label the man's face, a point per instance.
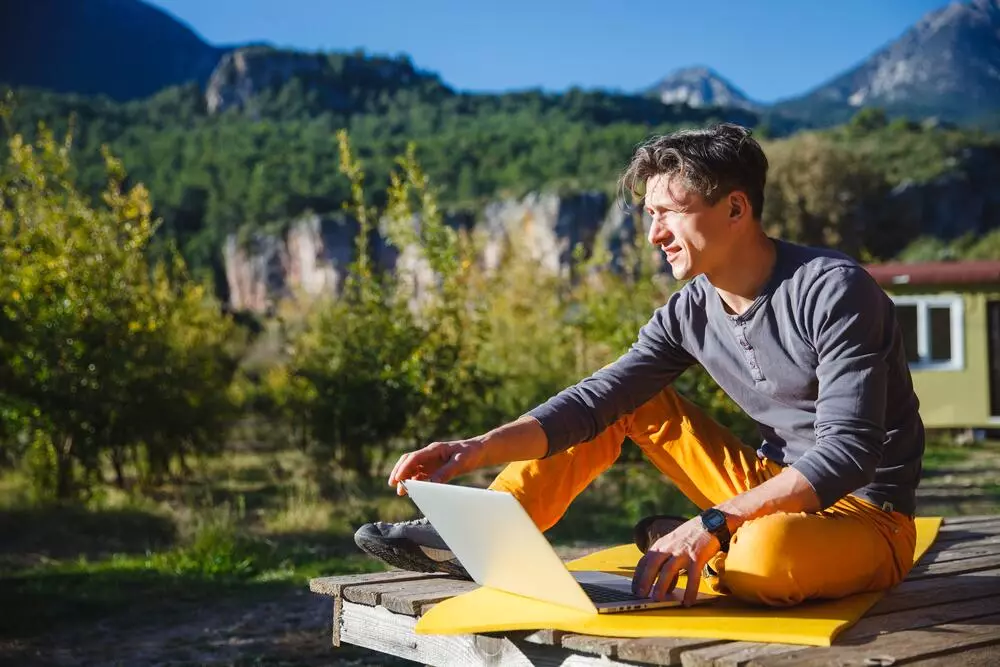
(691, 233)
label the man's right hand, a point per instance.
(438, 462)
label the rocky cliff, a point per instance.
(965, 200)
(310, 258)
(242, 74)
(247, 77)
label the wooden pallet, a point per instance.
(949, 604)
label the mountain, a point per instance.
(256, 78)
(700, 87)
(946, 66)
(124, 49)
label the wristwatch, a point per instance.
(714, 521)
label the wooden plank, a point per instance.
(378, 629)
(338, 608)
(897, 647)
(914, 593)
(733, 654)
(971, 522)
(414, 597)
(922, 571)
(661, 650)
(966, 520)
(334, 585)
(990, 540)
(606, 646)
(946, 555)
(407, 597)
(987, 656)
(549, 637)
(921, 617)
(919, 604)
(951, 533)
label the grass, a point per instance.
(938, 455)
(246, 524)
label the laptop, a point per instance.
(500, 547)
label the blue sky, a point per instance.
(772, 49)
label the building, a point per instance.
(950, 316)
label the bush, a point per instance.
(104, 358)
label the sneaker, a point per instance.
(409, 545)
(652, 528)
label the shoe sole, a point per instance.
(399, 553)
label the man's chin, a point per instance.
(680, 272)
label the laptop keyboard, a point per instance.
(603, 594)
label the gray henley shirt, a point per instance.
(817, 361)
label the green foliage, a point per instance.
(965, 247)
(905, 151)
(820, 193)
(259, 167)
(368, 369)
(103, 357)
(634, 491)
(217, 549)
(868, 120)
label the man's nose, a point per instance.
(657, 232)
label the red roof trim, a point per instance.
(936, 273)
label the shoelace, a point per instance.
(414, 522)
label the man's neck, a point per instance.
(741, 281)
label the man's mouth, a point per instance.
(671, 251)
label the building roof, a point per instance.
(936, 273)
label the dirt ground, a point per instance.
(293, 628)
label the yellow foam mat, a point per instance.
(810, 623)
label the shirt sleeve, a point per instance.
(851, 323)
(655, 360)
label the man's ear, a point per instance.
(738, 205)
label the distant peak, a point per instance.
(700, 86)
(947, 65)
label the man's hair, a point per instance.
(713, 162)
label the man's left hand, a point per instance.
(688, 547)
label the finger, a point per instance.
(394, 475)
(645, 572)
(667, 579)
(694, 581)
(414, 462)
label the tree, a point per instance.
(103, 358)
(820, 193)
(868, 120)
(396, 359)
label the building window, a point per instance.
(933, 331)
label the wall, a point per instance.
(959, 399)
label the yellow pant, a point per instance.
(780, 559)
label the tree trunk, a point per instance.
(64, 469)
(116, 461)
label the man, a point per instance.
(802, 339)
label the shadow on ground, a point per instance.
(56, 532)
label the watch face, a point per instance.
(714, 520)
